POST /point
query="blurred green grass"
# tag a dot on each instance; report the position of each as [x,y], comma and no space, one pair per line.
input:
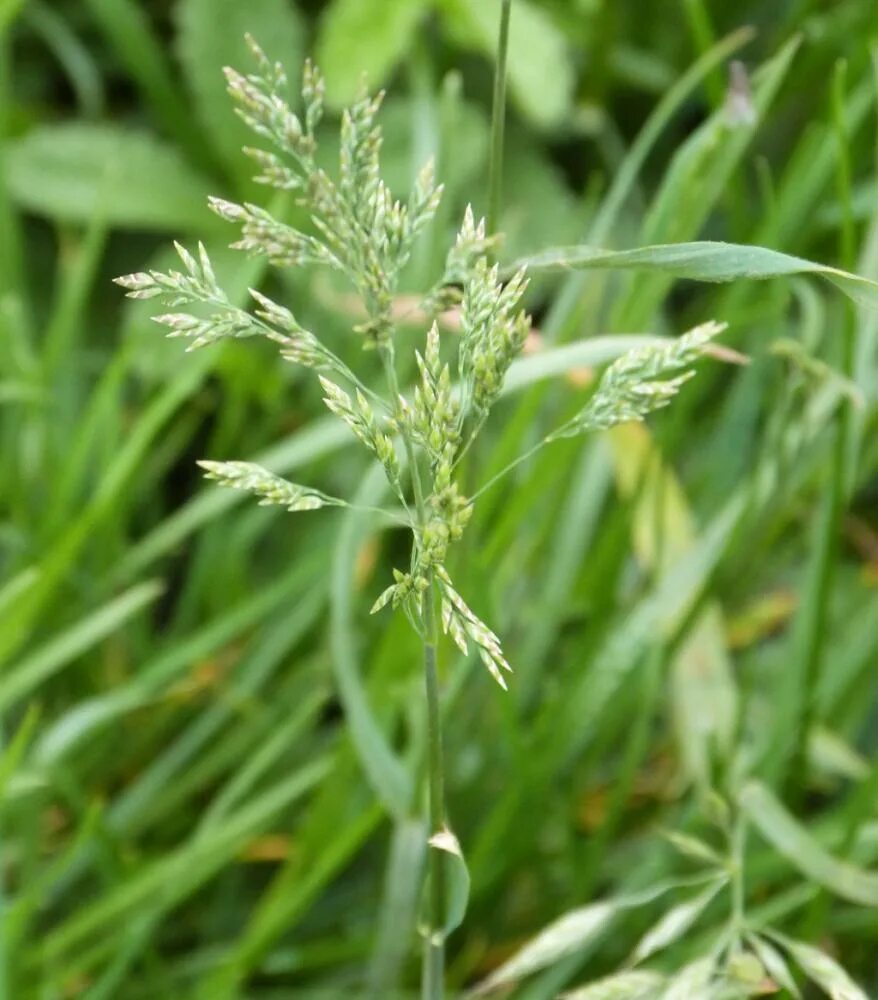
[209,754]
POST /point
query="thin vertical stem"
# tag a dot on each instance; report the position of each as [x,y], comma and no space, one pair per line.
[498,122]
[433,977]
[434,948]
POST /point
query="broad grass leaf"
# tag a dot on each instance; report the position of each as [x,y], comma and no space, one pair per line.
[788,836]
[77,171]
[703,261]
[823,970]
[210,37]
[635,985]
[674,924]
[540,70]
[364,39]
[527,371]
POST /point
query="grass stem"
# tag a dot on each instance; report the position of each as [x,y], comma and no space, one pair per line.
[433,979]
[498,122]
[434,949]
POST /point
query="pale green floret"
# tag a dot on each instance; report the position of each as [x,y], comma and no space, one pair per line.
[272,490]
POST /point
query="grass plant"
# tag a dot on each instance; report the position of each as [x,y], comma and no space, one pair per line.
[219,776]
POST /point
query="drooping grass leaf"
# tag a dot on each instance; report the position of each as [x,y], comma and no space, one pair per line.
[703,261]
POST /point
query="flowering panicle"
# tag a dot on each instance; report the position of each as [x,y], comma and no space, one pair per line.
[360,230]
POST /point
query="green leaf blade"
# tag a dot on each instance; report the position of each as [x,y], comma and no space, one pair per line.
[703,261]
[789,837]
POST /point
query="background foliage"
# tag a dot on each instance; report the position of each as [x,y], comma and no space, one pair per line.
[195,797]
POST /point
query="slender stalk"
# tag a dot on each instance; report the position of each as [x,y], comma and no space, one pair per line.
[433,978]
[508,468]
[433,986]
[498,122]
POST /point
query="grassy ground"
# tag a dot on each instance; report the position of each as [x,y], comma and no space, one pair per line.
[209,749]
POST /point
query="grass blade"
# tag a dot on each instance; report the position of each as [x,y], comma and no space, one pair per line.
[703,261]
[43,663]
[794,842]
